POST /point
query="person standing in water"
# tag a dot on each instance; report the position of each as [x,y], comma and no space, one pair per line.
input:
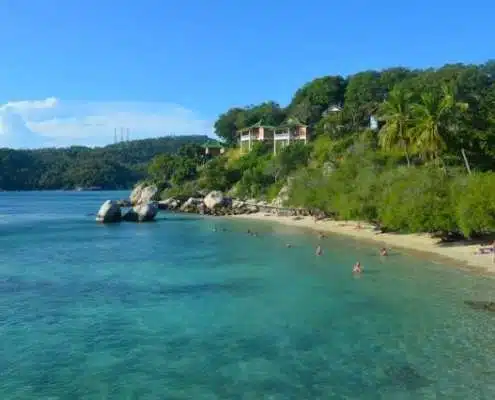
[357,268]
[383,252]
[319,251]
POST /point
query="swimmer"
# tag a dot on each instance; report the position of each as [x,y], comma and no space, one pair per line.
[357,268]
[319,251]
[288,245]
[383,252]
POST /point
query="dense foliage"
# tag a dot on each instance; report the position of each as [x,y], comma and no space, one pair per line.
[117,166]
[424,165]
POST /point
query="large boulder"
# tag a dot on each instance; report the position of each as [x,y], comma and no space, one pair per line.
[109,212]
[214,199]
[141,213]
[143,194]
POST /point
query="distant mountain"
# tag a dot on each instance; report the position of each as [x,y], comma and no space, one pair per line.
[117,166]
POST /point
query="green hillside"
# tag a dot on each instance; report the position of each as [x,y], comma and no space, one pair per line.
[117,166]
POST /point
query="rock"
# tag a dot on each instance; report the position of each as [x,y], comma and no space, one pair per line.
[169,204]
[238,204]
[191,205]
[481,305]
[214,199]
[282,197]
[124,203]
[109,212]
[143,194]
[251,209]
[141,213]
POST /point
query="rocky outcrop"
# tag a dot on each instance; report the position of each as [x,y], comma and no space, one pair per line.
[141,213]
[169,204]
[191,205]
[143,194]
[282,197]
[109,212]
[217,203]
[124,203]
[215,199]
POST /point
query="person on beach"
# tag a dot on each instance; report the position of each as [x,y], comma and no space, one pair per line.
[490,249]
[383,252]
[319,251]
[357,268]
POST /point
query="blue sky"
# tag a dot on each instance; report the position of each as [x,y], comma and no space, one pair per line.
[71,72]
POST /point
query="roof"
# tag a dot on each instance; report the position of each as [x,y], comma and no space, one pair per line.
[258,124]
[213,144]
[292,121]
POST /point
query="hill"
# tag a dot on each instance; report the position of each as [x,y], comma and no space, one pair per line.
[117,166]
[408,150]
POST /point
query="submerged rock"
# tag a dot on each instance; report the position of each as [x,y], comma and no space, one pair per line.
[109,212]
[481,305]
[141,213]
[407,376]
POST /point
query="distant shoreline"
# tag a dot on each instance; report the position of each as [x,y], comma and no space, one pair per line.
[462,252]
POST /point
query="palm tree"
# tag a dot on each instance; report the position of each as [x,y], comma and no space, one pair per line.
[396,113]
[433,120]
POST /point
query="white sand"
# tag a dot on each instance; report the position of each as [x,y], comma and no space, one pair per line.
[461,252]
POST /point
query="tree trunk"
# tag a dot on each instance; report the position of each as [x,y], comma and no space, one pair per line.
[466,162]
[407,157]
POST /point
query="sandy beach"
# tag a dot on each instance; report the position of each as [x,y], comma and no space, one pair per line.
[463,253]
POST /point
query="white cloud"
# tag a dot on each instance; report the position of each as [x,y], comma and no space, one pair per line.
[53,122]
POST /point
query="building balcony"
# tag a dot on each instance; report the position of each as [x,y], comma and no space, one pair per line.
[289,136]
[247,137]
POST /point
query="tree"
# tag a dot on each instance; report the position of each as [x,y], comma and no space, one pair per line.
[313,99]
[161,168]
[396,113]
[432,120]
[365,91]
[227,125]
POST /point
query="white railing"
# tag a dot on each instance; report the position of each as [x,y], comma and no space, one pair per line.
[247,136]
[283,136]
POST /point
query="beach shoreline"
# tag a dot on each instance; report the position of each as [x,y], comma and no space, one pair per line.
[462,253]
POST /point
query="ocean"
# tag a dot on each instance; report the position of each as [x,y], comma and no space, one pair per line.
[178,310]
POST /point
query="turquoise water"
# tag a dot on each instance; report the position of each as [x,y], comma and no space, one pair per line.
[174,310]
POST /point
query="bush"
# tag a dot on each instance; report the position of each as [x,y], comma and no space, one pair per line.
[417,200]
[215,175]
[181,192]
[475,203]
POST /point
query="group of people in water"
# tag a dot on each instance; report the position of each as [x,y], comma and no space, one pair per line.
[356,269]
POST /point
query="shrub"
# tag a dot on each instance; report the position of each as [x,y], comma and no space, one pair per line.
[475,203]
[417,200]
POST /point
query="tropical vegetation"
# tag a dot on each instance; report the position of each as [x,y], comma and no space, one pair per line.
[117,166]
[424,164]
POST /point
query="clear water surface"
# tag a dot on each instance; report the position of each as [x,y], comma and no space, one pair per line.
[173,310]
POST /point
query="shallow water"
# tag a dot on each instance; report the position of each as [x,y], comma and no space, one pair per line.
[174,310]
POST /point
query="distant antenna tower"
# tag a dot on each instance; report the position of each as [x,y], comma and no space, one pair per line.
[121,134]
[114,135]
